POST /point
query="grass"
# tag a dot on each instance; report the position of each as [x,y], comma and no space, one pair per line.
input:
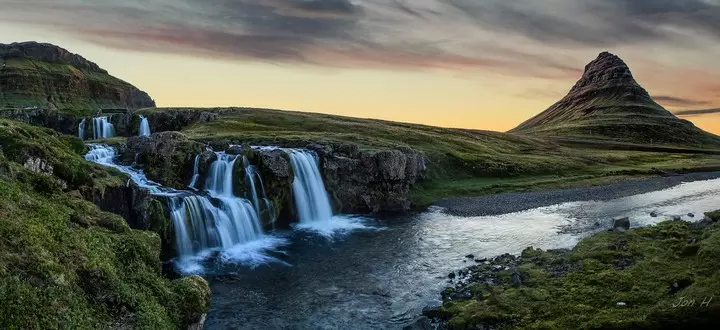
[636,268]
[462,162]
[64,264]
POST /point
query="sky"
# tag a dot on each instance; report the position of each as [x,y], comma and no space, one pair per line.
[484,64]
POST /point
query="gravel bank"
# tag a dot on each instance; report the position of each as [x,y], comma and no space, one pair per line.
[520,201]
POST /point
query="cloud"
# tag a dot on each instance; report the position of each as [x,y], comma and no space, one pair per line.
[678,101]
[687,113]
[520,37]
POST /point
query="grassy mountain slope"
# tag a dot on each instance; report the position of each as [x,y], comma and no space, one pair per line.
[64,264]
[461,162]
[47,76]
[608,104]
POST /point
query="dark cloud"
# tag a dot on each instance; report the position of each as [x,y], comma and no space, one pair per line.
[687,113]
[400,33]
[678,101]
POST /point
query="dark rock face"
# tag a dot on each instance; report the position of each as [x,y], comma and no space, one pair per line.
[277,175]
[168,157]
[63,123]
[176,120]
[47,76]
[371,181]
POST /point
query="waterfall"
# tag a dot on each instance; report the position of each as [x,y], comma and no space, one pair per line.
[202,222]
[81,129]
[251,175]
[144,126]
[311,198]
[196,173]
[102,128]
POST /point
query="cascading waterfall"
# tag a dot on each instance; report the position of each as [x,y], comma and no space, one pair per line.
[81,129]
[144,126]
[102,128]
[201,225]
[251,175]
[218,220]
[311,198]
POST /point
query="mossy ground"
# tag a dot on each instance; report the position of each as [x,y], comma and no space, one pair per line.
[64,264]
[461,162]
[643,278]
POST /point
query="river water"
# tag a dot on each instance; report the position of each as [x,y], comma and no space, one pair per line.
[379,273]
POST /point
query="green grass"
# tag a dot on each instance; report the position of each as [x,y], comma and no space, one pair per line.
[462,162]
[64,264]
[636,268]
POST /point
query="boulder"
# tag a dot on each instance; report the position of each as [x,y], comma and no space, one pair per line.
[168,157]
[621,225]
[421,323]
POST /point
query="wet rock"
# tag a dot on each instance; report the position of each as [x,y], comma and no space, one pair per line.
[421,323]
[677,218]
[470,256]
[692,215]
[516,278]
[451,275]
[435,312]
[653,214]
[235,150]
[481,260]
[621,225]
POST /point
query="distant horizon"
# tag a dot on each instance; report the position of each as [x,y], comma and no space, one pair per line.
[486,64]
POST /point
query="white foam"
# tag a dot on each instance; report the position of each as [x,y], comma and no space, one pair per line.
[337,225]
[254,253]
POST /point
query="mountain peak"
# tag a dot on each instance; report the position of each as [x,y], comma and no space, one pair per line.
[607,70]
[607,103]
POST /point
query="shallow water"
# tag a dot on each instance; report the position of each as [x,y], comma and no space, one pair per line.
[380,273]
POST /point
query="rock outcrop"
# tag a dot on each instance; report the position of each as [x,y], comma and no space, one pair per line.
[168,157]
[38,75]
[370,181]
[607,103]
[176,120]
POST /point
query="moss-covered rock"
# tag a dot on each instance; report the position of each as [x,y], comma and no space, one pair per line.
[168,157]
[655,277]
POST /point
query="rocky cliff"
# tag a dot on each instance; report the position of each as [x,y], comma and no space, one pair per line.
[607,103]
[46,76]
[358,181]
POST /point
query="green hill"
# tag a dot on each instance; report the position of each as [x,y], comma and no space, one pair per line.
[608,104]
[46,76]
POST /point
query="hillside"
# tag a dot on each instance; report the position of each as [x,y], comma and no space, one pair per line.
[47,76]
[64,263]
[608,104]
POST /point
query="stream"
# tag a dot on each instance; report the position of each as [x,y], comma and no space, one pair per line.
[379,273]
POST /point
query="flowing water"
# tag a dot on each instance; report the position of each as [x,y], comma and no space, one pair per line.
[102,128]
[81,129]
[381,277]
[144,129]
[338,271]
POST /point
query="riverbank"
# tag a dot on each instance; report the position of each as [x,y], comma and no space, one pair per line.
[663,276]
[519,201]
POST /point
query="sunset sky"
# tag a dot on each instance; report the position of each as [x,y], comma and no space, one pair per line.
[487,64]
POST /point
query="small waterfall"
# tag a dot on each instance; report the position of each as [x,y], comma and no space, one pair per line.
[81,130]
[102,128]
[196,173]
[251,175]
[144,126]
[311,198]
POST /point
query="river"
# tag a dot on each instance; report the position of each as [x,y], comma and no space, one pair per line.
[378,273]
